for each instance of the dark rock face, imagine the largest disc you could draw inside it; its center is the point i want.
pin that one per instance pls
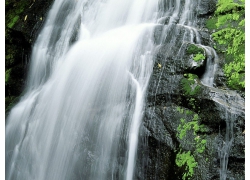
(217, 108)
(24, 19)
(206, 7)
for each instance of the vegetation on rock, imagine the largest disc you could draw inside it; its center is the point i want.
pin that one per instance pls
(199, 57)
(193, 49)
(187, 159)
(20, 18)
(189, 85)
(14, 14)
(230, 36)
(197, 52)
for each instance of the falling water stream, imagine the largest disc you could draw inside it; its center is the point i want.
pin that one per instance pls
(225, 148)
(80, 98)
(89, 72)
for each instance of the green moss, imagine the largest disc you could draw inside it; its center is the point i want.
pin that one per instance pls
(211, 23)
(230, 35)
(189, 85)
(15, 12)
(200, 145)
(12, 23)
(7, 2)
(191, 102)
(193, 49)
(229, 6)
(180, 110)
(7, 75)
(196, 51)
(199, 57)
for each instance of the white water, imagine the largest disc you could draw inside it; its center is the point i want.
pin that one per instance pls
(225, 148)
(79, 98)
(83, 106)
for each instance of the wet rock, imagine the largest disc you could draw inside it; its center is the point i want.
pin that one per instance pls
(216, 103)
(32, 15)
(214, 106)
(205, 37)
(206, 7)
(24, 19)
(164, 20)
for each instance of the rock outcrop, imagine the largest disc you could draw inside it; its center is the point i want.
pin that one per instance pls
(169, 100)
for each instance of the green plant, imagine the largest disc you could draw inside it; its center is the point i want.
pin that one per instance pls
(13, 15)
(7, 75)
(187, 126)
(200, 144)
(180, 110)
(230, 34)
(187, 160)
(199, 57)
(189, 85)
(211, 23)
(13, 21)
(193, 49)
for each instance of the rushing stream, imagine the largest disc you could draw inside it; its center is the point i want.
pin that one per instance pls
(84, 100)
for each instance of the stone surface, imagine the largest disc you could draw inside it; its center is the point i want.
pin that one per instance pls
(24, 20)
(214, 105)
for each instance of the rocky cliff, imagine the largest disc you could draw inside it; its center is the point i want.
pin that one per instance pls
(191, 130)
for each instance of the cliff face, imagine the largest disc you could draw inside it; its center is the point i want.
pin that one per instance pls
(188, 128)
(24, 20)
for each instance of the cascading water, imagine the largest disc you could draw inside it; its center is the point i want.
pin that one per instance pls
(83, 106)
(83, 103)
(225, 147)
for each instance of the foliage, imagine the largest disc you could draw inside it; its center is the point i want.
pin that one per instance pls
(14, 11)
(13, 21)
(199, 57)
(196, 51)
(211, 23)
(186, 159)
(180, 110)
(189, 84)
(188, 126)
(200, 144)
(7, 75)
(231, 33)
(193, 49)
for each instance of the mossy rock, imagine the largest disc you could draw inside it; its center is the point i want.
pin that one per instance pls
(211, 23)
(194, 49)
(197, 54)
(189, 85)
(14, 11)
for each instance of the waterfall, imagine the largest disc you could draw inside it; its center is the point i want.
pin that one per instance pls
(81, 113)
(90, 66)
(225, 146)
